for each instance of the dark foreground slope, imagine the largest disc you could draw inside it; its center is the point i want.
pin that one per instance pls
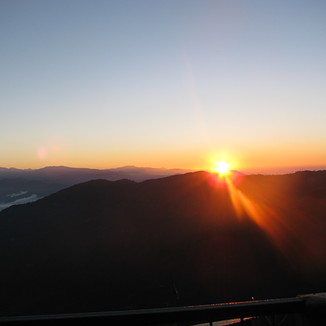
(179, 240)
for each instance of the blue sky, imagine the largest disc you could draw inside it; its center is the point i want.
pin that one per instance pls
(162, 83)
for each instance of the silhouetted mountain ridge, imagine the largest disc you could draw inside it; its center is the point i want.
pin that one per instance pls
(29, 185)
(104, 245)
(69, 175)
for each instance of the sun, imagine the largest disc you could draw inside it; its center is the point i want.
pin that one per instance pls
(222, 168)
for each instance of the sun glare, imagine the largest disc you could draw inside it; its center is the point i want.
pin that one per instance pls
(222, 168)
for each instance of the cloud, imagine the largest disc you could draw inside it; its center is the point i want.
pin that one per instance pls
(17, 194)
(20, 201)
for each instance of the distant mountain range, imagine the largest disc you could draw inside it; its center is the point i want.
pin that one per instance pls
(19, 186)
(178, 240)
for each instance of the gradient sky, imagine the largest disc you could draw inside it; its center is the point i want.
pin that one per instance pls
(163, 83)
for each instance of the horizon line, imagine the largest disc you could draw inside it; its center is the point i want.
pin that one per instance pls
(271, 170)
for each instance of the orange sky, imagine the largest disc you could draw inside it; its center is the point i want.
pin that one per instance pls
(277, 160)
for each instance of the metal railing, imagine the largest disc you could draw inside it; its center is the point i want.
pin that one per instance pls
(175, 315)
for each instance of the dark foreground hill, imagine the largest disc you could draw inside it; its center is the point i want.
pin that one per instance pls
(186, 239)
